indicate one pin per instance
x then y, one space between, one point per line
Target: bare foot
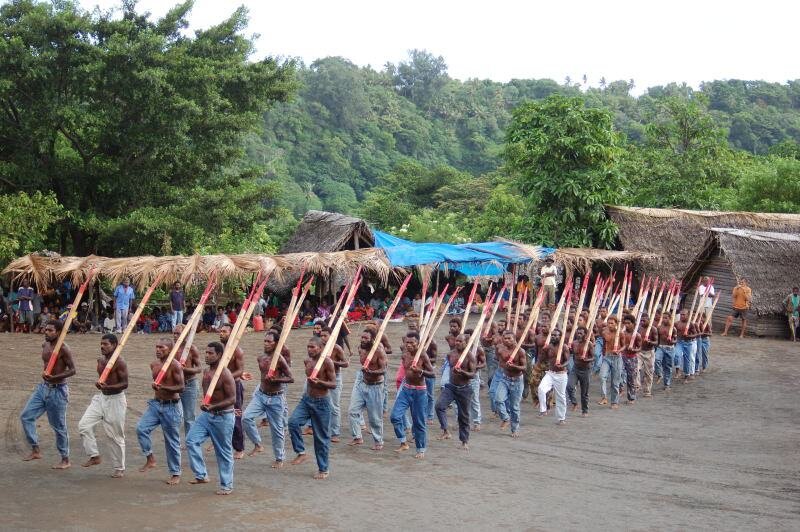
585 414
430 422
465 447
299 459
419 455
377 447
335 439
443 436
614 407
238 455
503 425
515 434
118 473
199 481
256 450
210 447
321 475
573 408
264 423
94 460
308 431
223 492
149 464
476 428
35 455
403 447
561 422
174 480
602 401
356 441
63 464
277 464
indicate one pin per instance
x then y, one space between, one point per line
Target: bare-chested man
191 389
165 410
430 382
630 355
340 361
667 336
686 345
315 405
412 394
109 408
50 396
368 392
555 377
509 389
647 354
459 389
269 400
236 366
480 363
582 356
216 422
611 368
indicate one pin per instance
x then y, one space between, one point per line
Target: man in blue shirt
124 297
25 297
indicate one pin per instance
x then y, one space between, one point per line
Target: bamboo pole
328 349
620 310
385 321
594 310
511 294
338 300
563 329
675 302
191 325
639 317
434 326
424 295
468 307
496 306
534 315
691 309
554 319
472 338
708 318
667 301
581 300
653 306
129 329
520 303
51 363
291 313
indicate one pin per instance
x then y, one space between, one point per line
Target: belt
167 401
271 394
54 385
112 393
415 386
372 383
220 412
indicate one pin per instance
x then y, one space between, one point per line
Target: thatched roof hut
321 231
768 260
678 235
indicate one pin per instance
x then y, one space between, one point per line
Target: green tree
126 120
770 184
565 156
26 221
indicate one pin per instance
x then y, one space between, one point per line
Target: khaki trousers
647 360
110 411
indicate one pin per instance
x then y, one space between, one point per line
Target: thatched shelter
321 231
678 235
767 259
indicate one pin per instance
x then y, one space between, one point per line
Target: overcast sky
651 42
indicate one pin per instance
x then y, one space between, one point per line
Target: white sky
651 42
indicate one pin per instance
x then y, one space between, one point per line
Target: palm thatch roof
582 260
678 235
321 231
767 259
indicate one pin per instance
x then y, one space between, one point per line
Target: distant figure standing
792 304
742 297
706 292
177 303
548 274
25 298
124 297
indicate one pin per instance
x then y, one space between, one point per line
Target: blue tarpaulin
481 258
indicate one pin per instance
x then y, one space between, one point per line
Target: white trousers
109 410
558 383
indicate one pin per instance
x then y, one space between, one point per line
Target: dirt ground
720 453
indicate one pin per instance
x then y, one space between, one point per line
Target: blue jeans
336 403
657 363
176 318
271 407
169 416
498 376
318 411
508 396
218 427
430 384
356 381
475 401
491 363
686 354
667 358
189 403
52 399
611 367
445 373
369 396
598 355
704 343
417 401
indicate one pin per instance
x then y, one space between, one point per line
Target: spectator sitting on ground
82 321
208 319
44 317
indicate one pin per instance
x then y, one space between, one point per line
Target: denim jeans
52 399
475 400
491 363
579 376
704 343
657 366
176 318
238 433
498 376
318 411
417 400
189 395
121 318
631 365
219 428
686 354
598 356
508 396
271 407
558 383
369 396
612 367
169 416
336 404
359 378
430 384
462 395
667 358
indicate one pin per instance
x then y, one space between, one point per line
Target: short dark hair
275 336
112 338
56 324
456 321
218 348
316 340
371 332
327 329
412 334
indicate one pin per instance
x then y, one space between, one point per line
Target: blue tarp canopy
481 258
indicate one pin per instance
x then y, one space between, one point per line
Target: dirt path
720 453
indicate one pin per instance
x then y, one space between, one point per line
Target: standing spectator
548 274
742 297
177 302
124 297
25 297
792 304
706 292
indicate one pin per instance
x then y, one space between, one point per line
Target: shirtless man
509 389
165 410
667 336
412 394
430 382
583 367
646 355
51 396
555 378
191 390
460 390
368 392
630 355
475 383
686 345
340 361
496 376
612 364
599 343
387 349
540 367
216 422
236 366
109 408
315 405
269 400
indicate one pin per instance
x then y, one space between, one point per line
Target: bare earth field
720 453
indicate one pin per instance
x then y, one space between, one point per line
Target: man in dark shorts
742 298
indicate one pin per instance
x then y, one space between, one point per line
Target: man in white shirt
706 294
548 274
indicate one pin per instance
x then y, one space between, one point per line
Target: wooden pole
426 335
639 316
620 310
581 299
691 309
473 337
129 329
496 306
711 313
51 363
511 295
385 321
295 304
424 295
520 303
563 329
468 307
328 348
594 309
559 307
534 315
338 301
